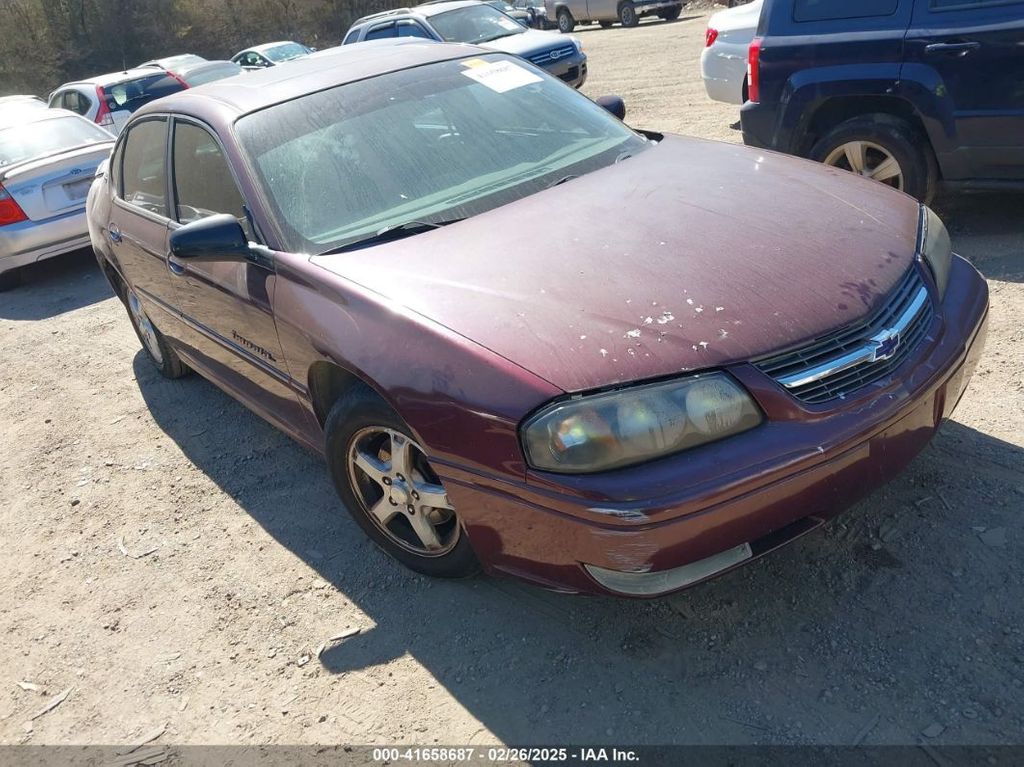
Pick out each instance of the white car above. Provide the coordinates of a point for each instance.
(109, 100)
(48, 158)
(723, 64)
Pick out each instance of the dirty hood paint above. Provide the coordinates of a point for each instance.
(689, 255)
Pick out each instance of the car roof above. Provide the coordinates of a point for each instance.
(224, 101)
(425, 10)
(39, 115)
(262, 47)
(116, 77)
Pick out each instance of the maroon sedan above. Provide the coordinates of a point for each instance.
(524, 336)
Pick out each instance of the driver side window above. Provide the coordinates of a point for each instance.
(203, 184)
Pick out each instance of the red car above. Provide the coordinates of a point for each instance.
(524, 336)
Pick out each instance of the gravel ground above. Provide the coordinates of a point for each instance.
(176, 563)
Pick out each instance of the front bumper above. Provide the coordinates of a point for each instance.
(29, 241)
(818, 463)
(571, 69)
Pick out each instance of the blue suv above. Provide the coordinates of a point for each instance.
(907, 92)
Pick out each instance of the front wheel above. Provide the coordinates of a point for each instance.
(385, 480)
(884, 149)
(627, 15)
(566, 23)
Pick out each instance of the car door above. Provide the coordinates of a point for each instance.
(225, 305)
(974, 47)
(139, 216)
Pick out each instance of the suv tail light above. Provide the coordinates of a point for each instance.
(710, 36)
(754, 70)
(103, 116)
(10, 211)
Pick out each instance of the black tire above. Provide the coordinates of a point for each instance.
(9, 280)
(672, 13)
(906, 145)
(163, 356)
(356, 411)
(627, 14)
(605, 24)
(566, 23)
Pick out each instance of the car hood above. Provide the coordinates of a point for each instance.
(690, 255)
(530, 41)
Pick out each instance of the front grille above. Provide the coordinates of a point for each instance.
(552, 55)
(840, 363)
(571, 74)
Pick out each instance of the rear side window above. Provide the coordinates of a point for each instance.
(411, 29)
(381, 32)
(143, 169)
(132, 94)
(203, 184)
(76, 102)
(830, 10)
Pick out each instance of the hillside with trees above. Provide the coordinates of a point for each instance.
(44, 43)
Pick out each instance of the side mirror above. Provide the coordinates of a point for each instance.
(613, 104)
(216, 238)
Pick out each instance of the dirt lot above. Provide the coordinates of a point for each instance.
(175, 562)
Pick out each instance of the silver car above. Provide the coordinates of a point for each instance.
(109, 100)
(48, 158)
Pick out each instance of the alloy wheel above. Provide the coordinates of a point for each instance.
(146, 330)
(400, 493)
(867, 159)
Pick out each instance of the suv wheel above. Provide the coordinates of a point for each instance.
(672, 13)
(566, 23)
(627, 14)
(385, 480)
(884, 149)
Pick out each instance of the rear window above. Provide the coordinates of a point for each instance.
(133, 94)
(830, 10)
(209, 74)
(46, 137)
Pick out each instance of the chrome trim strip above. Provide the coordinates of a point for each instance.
(865, 353)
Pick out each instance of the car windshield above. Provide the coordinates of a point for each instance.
(133, 94)
(285, 52)
(475, 24)
(45, 137)
(438, 143)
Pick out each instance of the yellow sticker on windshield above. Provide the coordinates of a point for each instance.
(502, 76)
(474, 63)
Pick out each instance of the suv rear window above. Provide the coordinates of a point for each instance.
(133, 94)
(829, 10)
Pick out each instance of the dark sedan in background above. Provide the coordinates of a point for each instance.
(610, 404)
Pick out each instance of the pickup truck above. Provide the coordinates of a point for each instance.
(568, 13)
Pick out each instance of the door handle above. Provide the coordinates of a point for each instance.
(115, 234)
(952, 49)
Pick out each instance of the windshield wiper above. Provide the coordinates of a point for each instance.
(393, 232)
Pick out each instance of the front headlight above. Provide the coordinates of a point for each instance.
(935, 247)
(607, 431)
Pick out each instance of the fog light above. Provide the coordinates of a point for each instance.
(663, 581)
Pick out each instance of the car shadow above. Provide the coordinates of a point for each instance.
(988, 229)
(595, 27)
(55, 286)
(786, 650)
